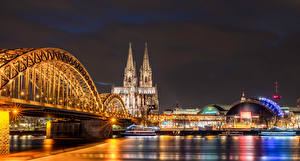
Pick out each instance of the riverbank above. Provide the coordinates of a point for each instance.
(35, 133)
(205, 133)
(161, 132)
(202, 133)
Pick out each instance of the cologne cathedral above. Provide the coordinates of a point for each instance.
(139, 96)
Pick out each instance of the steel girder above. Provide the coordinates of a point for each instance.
(51, 77)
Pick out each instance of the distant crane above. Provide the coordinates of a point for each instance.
(276, 95)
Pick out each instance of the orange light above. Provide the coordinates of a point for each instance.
(15, 111)
(113, 120)
(4, 132)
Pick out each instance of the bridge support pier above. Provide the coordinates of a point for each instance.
(96, 129)
(4, 132)
(89, 129)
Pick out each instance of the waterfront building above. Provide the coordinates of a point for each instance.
(168, 112)
(246, 113)
(207, 117)
(27, 123)
(187, 111)
(139, 95)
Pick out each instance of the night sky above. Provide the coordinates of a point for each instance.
(201, 52)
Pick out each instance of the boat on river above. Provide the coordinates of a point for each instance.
(277, 132)
(138, 130)
(231, 133)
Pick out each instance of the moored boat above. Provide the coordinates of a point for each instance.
(277, 132)
(231, 133)
(137, 130)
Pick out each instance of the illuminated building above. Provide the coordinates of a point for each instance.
(259, 112)
(210, 116)
(187, 111)
(143, 98)
(26, 123)
(245, 114)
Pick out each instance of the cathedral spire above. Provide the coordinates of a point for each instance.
(130, 64)
(145, 70)
(130, 78)
(146, 64)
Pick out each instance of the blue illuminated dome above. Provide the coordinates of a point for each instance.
(272, 105)
(259, 106)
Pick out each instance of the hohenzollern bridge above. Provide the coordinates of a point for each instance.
(50, 82)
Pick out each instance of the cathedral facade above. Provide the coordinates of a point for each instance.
(139, 95)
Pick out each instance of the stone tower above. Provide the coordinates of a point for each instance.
(130, 77)
(145, 70)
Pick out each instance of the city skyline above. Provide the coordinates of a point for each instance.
(201, 52)
(149, 80)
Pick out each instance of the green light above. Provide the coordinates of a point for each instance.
(210, 110)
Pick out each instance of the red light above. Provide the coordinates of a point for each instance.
(276, 96)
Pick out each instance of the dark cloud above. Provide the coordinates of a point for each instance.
(201, 51)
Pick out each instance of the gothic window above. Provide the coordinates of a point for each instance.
(146, 79)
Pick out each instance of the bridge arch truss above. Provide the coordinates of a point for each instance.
(48, 77)
(114, 105)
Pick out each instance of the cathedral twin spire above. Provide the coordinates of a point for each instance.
(130, 76)
(145, 70)
(130, 63)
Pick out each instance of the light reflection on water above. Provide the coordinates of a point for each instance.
(40, 143)
(25, 142)
(244, 148)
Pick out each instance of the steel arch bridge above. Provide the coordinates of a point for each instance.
(54, 79)
(114, 104)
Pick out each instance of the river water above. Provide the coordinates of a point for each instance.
(40, 143)
(184, 148)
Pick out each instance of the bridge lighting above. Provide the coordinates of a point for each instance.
(113, 120)
(37, 96)
(22, 93)
(15, 111)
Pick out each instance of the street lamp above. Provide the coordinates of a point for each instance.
(113, 120)
(15, 111)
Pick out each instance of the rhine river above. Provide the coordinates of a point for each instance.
(179, 148)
